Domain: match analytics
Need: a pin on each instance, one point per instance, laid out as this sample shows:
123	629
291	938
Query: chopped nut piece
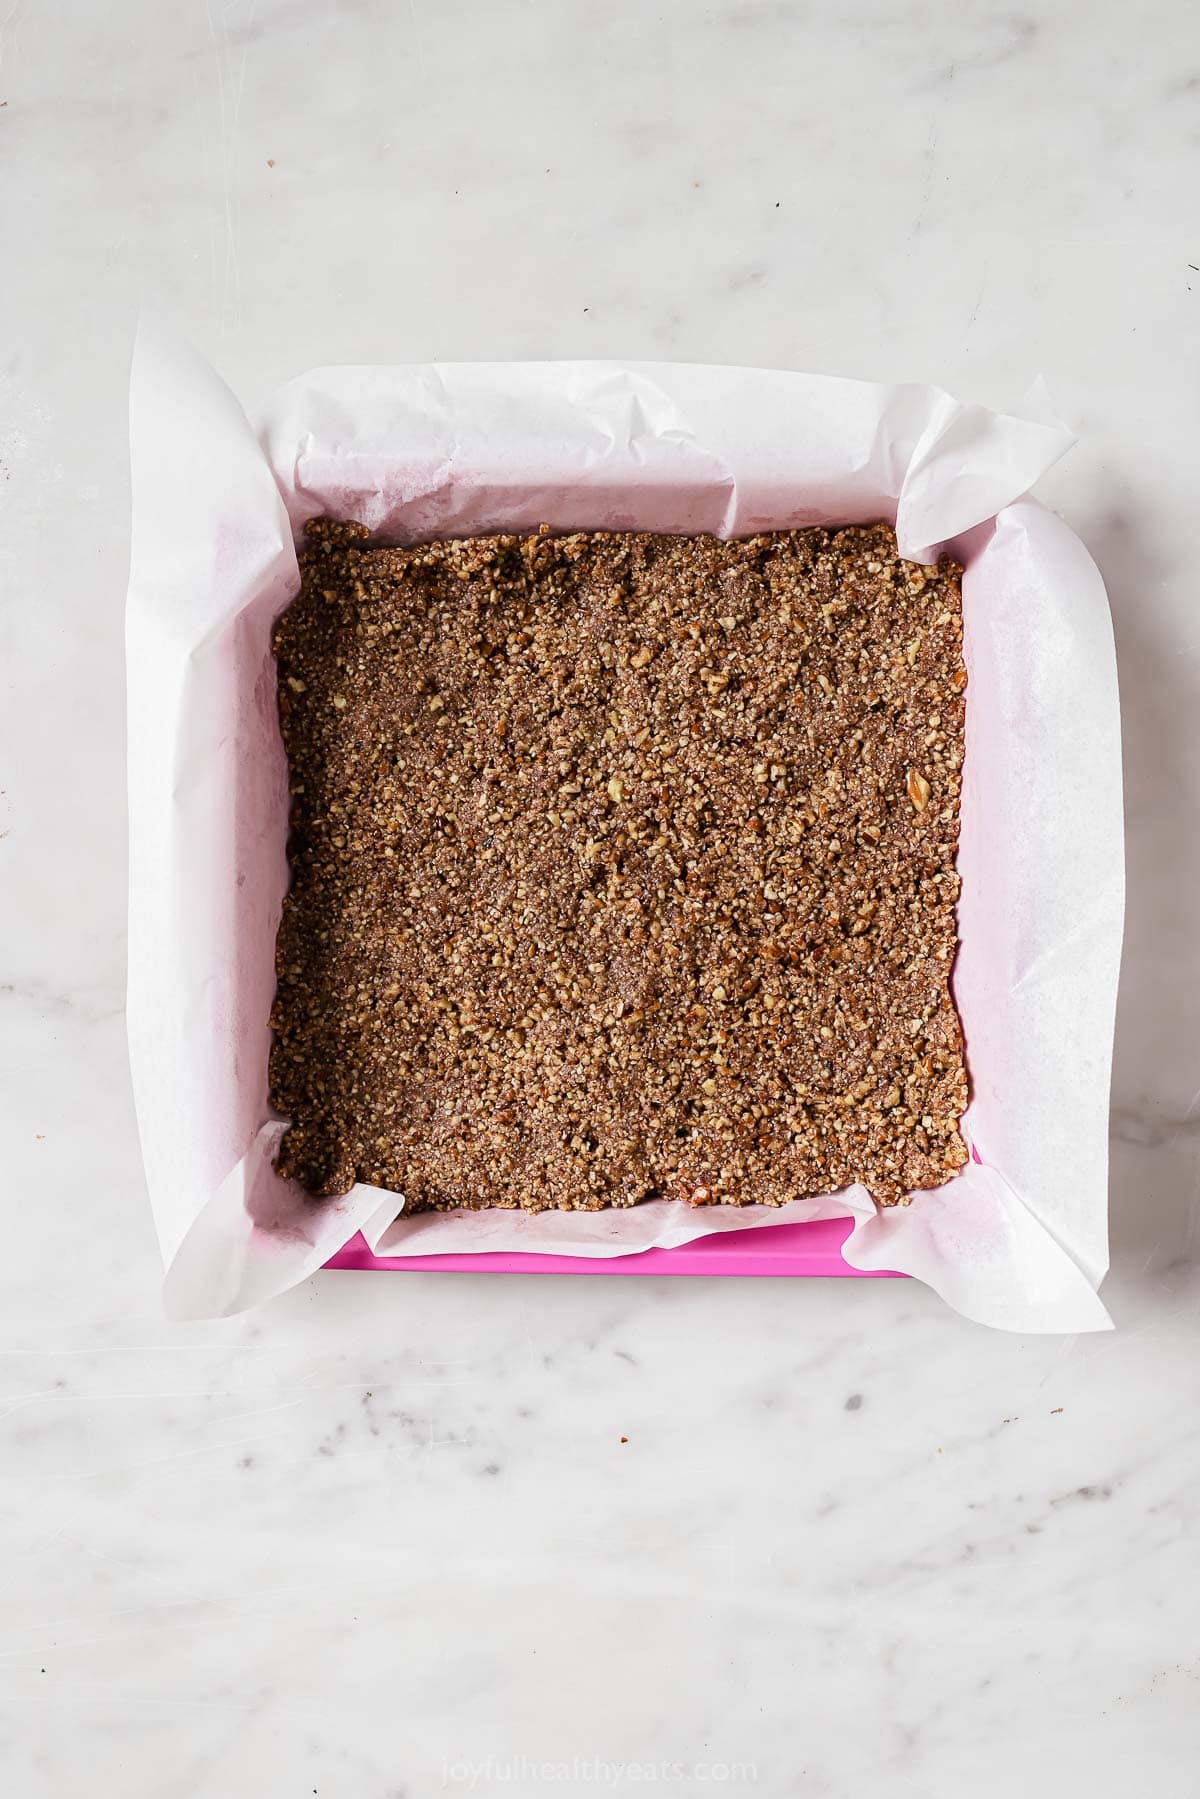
918	789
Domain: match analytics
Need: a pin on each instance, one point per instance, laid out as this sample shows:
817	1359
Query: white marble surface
385	1537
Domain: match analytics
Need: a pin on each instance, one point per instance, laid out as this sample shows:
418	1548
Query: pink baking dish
784	1249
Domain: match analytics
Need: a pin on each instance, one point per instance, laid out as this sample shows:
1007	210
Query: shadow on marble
1155	1132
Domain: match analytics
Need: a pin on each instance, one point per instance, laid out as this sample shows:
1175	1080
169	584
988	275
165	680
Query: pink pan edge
781	1250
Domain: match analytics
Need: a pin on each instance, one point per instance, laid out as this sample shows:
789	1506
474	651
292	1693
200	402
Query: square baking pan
1018	1238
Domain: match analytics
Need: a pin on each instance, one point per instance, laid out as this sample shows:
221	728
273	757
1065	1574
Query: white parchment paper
1019	1238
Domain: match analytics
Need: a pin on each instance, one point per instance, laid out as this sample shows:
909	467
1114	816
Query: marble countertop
398	1535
